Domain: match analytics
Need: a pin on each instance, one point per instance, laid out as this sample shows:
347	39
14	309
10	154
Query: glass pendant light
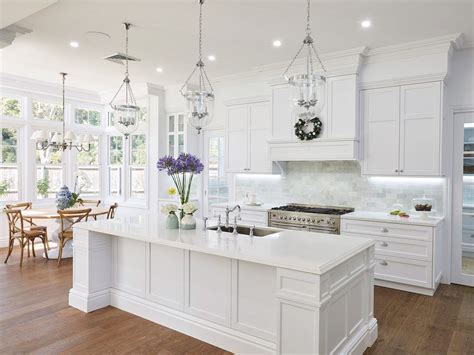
200	101
125	114
309	88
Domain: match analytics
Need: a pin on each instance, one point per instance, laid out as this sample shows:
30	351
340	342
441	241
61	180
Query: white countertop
302	251
386	217
265	207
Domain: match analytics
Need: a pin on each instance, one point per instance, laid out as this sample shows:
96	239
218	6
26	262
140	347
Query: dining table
52	214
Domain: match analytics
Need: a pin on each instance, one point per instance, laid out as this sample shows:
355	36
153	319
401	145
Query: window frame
19	154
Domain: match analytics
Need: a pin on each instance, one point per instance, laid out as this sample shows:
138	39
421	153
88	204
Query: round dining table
52	214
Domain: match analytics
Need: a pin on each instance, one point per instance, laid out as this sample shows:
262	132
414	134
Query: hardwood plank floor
35	318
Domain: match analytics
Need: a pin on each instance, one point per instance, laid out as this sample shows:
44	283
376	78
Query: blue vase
63	198
172	221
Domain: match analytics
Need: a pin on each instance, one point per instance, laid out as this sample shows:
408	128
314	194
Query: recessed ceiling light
366	23
212	58
276	43
74	44
159	69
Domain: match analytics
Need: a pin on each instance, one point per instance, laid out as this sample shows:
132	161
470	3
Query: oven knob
281	217
313	220
286	217
294	218
299	218
303	219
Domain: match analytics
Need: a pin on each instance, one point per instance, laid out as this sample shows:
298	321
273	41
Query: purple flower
188	163
167	163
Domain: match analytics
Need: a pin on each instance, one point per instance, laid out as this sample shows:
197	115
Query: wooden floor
35	318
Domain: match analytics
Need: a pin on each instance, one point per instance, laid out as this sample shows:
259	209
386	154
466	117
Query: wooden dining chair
68	219
111	213
92	203
31	225
17	231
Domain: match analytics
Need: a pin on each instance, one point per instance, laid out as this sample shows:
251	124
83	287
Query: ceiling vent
119	58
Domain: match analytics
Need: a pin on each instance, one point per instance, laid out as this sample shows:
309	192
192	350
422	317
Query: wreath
307	129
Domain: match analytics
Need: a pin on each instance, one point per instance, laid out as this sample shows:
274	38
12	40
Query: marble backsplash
339	184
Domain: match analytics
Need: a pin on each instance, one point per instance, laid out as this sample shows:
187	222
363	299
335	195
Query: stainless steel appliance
310	218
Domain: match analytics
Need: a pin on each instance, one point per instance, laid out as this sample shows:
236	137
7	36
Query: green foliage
4	185
91	157
88	117
116	149
10	107
74	199
46	111
8	145
139	149
42	186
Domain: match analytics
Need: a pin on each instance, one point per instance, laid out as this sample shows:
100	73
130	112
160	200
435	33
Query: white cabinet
247	130
408	257
176	128
402	130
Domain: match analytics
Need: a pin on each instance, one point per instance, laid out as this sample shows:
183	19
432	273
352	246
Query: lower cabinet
408	257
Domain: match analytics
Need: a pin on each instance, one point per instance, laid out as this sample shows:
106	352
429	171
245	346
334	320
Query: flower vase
172	221
188	222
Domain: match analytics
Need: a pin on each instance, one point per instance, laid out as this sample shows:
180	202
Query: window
49	172
176	131
88	164
137	165
47	111
87	117
10	107
217	189
115	161
9	164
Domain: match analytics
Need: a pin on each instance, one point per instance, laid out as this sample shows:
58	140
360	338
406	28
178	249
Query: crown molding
247	100
28	85
403	81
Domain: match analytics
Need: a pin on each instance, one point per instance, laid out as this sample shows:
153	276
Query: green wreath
302	130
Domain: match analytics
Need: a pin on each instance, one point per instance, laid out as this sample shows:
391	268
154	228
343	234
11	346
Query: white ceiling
238	33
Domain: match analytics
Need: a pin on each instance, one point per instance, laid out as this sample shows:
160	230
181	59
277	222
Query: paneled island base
239	305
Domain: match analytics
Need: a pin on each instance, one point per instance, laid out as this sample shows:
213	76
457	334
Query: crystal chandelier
200	101
309	88
64	140
125	114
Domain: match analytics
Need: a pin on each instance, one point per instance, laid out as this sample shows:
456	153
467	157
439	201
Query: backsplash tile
339	184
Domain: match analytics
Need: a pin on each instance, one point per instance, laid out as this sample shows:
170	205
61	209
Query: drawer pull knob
384	263
384	244
384	230
472	235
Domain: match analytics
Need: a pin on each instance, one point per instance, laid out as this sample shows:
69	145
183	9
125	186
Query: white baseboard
89	303
364	339
404	287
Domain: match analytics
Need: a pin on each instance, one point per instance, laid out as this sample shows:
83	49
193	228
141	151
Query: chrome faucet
219	224
234	227
251	233
229	210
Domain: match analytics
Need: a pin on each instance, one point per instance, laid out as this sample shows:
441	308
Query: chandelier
125	114
64	140
308	89
200	101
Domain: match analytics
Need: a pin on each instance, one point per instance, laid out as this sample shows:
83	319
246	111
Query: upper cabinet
339	138
402	130
176	133
247	130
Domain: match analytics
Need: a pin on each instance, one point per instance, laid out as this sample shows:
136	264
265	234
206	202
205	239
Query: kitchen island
288	292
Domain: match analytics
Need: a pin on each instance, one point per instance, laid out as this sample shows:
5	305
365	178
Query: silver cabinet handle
384	230
401	171
396	170
384	244
384	263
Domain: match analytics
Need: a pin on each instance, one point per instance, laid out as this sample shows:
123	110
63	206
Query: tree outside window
47	111
88	163
49	168
10	107
9	164
88	117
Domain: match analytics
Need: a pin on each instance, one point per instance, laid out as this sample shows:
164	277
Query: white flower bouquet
189	208
169	208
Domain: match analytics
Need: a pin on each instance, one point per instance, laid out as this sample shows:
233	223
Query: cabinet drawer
406	271
400	247
384	229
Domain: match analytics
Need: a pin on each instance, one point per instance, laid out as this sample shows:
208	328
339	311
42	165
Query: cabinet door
380	112
259	122
282	113
420	126
237	138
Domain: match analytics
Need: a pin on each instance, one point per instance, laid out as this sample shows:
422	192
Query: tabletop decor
171	219
182	170
308	127
65	198
188	221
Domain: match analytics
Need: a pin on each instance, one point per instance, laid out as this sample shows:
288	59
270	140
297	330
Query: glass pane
114	181
94	118
137	183
180	143
115	150
48	181
50	155
81	116
8	146
8	183
92	156
171	145
111	118
138	152
181	123
217	181
93	184
143	115
171	124
10	107
468	202
47	111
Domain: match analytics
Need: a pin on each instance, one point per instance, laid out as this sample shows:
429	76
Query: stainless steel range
311	218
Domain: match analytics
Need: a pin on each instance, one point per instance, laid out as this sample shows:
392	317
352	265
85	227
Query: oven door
304	228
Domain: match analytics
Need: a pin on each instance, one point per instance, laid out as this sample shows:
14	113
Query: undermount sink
257	231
